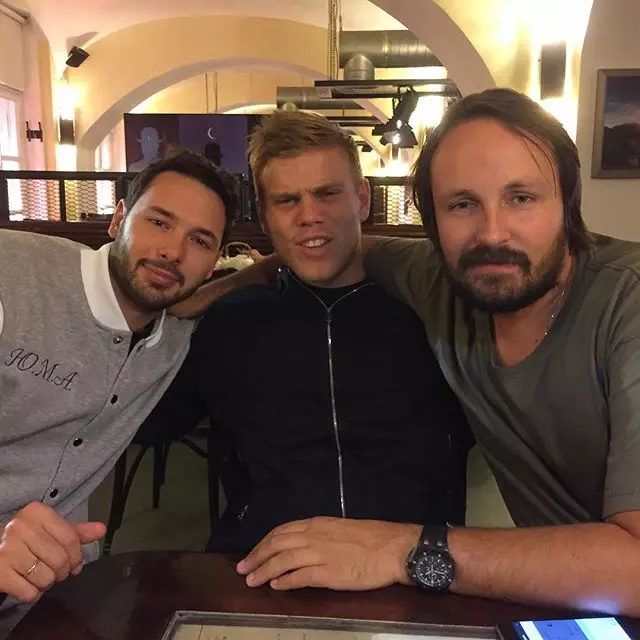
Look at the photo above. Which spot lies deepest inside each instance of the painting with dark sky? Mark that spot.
(222, 138)
(621, 123)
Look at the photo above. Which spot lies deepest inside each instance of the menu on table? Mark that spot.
(188, 625)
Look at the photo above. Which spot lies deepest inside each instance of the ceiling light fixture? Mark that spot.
(397, 130)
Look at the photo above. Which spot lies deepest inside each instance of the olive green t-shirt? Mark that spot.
(561, 429)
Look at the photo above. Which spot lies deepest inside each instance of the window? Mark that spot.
(9, 145)
(10, 157)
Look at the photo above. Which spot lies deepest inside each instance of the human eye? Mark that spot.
(329, 192)
(461, 206)
(158, 222)
(201, 242)
(285, 201)
(521, 199)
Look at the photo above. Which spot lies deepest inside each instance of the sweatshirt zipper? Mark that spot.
(334, 412)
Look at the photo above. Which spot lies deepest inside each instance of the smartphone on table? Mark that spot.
(600, 628)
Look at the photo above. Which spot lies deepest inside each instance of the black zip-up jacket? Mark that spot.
(322, 402)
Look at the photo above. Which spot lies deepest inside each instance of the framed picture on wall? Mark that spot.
(616, 143)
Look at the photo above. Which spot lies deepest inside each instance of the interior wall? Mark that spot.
(216, 42)
(12, 67)
(610, 206)
(220, 91)
(205, 93)
(109, 84)
(40, 155)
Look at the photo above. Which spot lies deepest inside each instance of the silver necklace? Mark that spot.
(558, 304)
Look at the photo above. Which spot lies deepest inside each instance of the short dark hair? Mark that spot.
(192, 165)
(525, 118)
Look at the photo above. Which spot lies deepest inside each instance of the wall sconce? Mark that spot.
(66, 131)
(553, 67)
(67, 100)
(34, 134)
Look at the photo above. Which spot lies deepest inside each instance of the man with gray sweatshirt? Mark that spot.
(86, 351)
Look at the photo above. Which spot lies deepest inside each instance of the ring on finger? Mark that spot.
(32, 568)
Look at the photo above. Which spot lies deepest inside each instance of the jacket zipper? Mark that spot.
(334, 412)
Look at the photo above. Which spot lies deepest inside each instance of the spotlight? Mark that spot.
(405, 107)
(397, 130)
(402, 136)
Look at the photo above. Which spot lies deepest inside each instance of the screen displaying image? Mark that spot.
(222, 138)
(579, 629)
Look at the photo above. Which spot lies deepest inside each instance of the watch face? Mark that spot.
(434, 570)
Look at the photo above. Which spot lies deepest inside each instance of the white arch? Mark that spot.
(433, 26)
(94, 135)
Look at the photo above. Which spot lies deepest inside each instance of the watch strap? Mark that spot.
(435, 538)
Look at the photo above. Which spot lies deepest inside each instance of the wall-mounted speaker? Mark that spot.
(76, 57)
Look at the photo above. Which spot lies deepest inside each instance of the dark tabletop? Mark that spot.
(134, 596)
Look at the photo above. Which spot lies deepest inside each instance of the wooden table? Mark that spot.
(133, 596)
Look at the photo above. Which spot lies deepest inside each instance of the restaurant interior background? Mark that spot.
(202, 57)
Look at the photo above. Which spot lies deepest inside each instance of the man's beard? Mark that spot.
(146, 299)
(493, 293)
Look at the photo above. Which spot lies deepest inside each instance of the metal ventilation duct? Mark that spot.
(307, 98)
(359, 67)
(385, 49)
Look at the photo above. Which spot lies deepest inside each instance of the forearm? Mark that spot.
(590, 566)
(263, 272)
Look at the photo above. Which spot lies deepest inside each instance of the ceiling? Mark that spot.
(64, 21)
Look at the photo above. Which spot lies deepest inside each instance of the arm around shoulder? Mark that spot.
(262, 272)
(405, 267)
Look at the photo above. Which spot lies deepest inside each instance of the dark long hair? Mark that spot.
(525, 118)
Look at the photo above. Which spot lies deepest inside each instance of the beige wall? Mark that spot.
(133, 64)
(499, 32)
(12, 67)
(26, 55)
(199, 95)
(496, 51)
(481, 42)
(230, 89)
(109, 84)
(37, 100)
(505, 35)
(610, 206)
(220, 91)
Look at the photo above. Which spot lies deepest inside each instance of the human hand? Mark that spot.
(347, 555)
(38, 548)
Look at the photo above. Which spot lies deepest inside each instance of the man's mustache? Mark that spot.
(165, 266)
(483, 255)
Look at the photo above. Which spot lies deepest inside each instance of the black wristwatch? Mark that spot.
(430, 565)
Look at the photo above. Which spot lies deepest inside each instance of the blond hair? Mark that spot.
(285, 134)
